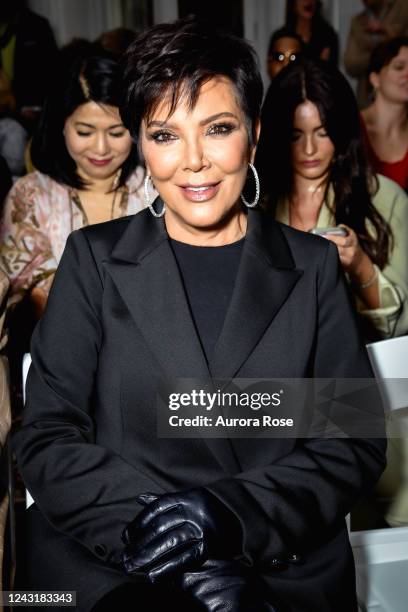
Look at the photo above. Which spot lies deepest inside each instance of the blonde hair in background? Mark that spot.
(84, 86)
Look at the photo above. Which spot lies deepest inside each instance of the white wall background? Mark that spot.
(89, 18)
(79, 18)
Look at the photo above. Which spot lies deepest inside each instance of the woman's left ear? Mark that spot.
(257, 131)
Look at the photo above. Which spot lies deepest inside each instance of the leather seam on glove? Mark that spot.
(148, 566)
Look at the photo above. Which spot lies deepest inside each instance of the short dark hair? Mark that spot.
(350, 174)
(177, 59)
(283, 33)
(385, 52)
(94, 78)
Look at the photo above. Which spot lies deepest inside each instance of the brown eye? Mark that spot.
(163, 136)
(221, 128)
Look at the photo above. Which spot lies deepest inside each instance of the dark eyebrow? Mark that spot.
(205, 121)
(92, 127)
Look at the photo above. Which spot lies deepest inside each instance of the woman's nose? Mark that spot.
(101, 144)
(286, 61)
(310, 145)
(194, 155)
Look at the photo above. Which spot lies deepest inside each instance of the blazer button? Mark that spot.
(101, 550)
(294, 558)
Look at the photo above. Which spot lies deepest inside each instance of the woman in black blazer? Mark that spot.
(202, 287)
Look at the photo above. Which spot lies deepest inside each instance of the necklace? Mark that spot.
(75, 198)
(314, 189)
(113, 204)
(76, 201)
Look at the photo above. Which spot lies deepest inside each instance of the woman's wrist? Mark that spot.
(370, 281)
(364, 274)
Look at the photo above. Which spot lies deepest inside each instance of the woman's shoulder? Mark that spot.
(37, 182)
(104, 236)
(306, 248)
(388, 196)
(305, 239)
(135, 180)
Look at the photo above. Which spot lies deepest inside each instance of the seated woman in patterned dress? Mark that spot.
(86, 172)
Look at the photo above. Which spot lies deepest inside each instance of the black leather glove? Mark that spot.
(178, 532)
(225, 586)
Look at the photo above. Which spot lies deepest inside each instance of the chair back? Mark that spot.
(389, 360)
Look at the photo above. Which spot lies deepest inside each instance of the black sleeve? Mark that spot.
(85, 490)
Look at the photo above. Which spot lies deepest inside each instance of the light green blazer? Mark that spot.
(391, 318)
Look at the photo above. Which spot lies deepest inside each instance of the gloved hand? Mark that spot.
(225, 586)
(178, 532)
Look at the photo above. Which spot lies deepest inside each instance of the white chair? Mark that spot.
(26, 367)
(389, 359)
(381, 555)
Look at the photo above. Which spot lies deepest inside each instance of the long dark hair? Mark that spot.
(350, 176)
(88, 77)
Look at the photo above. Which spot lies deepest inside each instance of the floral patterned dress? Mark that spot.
(39, 214)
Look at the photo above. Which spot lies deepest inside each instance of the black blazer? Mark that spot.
(117, 324)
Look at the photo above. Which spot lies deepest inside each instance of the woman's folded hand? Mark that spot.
(225, 586)
(178, 532)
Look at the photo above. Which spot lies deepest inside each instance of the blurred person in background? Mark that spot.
(86, 172)
(13, 142)
(5, 420)
(313, 164)
(28, 54)
(285, 46)
(319, 38)
(385, 121)
(116, 41)
(381, 20)
(5, 180)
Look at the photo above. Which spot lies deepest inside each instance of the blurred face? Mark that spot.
(97, 141)
(305, 9)
(312, 149)
(285, 51)
(374, 5)
(198, 160)
(392, 81)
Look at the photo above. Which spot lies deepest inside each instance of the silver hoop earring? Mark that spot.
(149, 204)
(257, 189)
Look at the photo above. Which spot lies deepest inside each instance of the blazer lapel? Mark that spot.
(266, 277)
(146, 274)
(144, 269)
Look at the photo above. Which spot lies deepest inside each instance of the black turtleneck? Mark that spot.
(208, 275)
